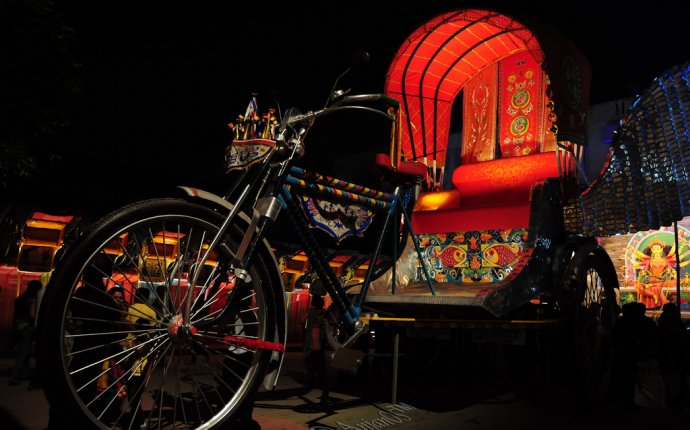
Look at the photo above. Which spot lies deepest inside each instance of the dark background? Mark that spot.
(157, 81)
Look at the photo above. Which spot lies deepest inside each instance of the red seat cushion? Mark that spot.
(504, 181)
(491, 195)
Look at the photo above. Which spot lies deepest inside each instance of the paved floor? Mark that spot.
(433, 403)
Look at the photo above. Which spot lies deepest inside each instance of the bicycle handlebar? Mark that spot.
(344, 103)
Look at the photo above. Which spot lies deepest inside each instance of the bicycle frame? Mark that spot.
(391, 203)
(271, 185)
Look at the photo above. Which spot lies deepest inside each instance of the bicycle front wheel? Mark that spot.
(136, 364)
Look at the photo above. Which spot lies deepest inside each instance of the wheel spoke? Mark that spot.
(169, 375)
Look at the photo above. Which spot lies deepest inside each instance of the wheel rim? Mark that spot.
(193, 376)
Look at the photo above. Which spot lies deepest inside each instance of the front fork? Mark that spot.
(266, 209)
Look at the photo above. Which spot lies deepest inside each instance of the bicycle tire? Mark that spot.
(198, 379)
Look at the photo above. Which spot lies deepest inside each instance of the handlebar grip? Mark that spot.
(390, 100)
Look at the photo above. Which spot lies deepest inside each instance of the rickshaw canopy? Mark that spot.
(437, 60)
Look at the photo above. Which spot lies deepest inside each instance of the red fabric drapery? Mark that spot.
(521, 109)
(479, 119)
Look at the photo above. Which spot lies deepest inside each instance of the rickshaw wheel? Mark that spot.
(592, 313)
(199, 376)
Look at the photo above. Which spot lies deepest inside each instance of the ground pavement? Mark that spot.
(424, 401)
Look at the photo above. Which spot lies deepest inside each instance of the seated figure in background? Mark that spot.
(656, 272)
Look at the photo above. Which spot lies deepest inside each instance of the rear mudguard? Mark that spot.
(207, 198)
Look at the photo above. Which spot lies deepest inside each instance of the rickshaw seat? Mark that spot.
(490, 195)
(503, 181)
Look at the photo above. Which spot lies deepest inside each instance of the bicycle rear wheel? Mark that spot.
(593, 313)
(132, 367)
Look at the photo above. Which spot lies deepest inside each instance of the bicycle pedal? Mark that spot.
(346, 360)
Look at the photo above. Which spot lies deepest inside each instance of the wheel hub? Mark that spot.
(180, 331)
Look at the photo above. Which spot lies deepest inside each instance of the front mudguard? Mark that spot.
(217, 203)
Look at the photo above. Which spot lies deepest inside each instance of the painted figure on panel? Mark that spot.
(657, 271)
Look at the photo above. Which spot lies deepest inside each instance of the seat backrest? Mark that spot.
(503, 181)
(508, 140)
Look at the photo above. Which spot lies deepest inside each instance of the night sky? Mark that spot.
(160, 80)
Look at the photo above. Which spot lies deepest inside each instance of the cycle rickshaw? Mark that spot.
(512, 237)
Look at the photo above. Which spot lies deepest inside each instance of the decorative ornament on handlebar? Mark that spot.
(252, 137)
(255, 137)
(241, 154)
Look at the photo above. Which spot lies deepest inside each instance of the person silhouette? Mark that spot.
(316, 346)
(94, 312)
(25, 311)
(140, 367)
(635, 341)
(118, 295)
(140, 309)
(36, 383)
(673, 356)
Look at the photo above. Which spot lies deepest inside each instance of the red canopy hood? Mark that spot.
(440, 57)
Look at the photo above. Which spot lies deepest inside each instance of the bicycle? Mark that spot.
(218, 330)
